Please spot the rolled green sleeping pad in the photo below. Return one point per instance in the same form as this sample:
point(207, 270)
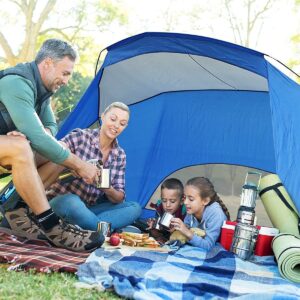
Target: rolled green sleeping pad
point(278, 205)
point(286, 248)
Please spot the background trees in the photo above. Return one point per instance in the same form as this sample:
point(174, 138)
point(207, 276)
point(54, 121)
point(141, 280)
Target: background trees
point(80, 22)
point(25, 11)
point(92, 25)
point(248, 27)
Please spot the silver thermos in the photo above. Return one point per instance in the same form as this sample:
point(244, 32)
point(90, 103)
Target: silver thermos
point(246, 212)
point(246, 233)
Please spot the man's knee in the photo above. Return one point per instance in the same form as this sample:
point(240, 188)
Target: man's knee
point(15, 150)
point(20, 149)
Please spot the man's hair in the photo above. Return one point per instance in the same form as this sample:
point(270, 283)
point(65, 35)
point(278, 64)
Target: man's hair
point(173, 184)
point(57, 50)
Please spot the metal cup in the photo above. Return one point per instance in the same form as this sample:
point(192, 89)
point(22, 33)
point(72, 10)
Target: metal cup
point(165, 220)
point(104, 228)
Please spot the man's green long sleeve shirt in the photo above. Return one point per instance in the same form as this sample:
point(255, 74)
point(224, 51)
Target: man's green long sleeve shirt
point(17, 94)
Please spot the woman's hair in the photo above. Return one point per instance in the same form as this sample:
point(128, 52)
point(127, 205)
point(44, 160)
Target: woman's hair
point(173, 184)
point(119, 105)
point(57, 50)
point(206, 189)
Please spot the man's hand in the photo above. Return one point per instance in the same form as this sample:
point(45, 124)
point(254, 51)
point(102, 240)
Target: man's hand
point(83, 169)
point(16, 133)
point(88, 172)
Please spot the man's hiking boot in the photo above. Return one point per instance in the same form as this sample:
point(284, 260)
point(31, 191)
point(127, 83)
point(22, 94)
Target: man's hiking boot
point(21, 222)
point(74, 238)
point(17, 222)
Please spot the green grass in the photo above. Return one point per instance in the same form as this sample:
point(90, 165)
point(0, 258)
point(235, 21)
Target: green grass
point(37, 286)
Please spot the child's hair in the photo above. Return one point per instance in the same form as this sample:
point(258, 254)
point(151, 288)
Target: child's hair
point(173, 184)
point(207, 189)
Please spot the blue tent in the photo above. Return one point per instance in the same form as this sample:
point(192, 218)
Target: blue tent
point(195, 100)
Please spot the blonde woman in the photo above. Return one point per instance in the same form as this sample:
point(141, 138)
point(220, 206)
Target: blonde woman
point(84, 204)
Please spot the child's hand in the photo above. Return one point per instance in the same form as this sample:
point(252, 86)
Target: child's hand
point(180, 226)
point(171, 229)
point(150, 223)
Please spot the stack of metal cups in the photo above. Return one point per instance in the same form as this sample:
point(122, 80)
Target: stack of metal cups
point(246, 233)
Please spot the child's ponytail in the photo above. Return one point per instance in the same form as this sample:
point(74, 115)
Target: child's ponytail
point(223, 206)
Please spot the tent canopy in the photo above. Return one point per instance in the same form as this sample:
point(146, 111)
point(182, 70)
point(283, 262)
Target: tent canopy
point(195, 100)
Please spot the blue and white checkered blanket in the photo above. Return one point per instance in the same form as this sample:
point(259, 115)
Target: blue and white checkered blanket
point(190, 273)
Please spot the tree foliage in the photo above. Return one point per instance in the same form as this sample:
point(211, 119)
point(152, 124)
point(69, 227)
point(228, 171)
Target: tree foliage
point(76, 21)
point(31, 27)
point(67, 97)
point(79, 22)
point(247, 21)
point(87, 24)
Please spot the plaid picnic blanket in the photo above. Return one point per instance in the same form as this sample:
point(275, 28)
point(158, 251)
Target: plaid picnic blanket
point(23, 254)
point(190, 273)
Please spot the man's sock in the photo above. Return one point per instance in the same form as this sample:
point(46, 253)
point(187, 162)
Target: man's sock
point(48, 219)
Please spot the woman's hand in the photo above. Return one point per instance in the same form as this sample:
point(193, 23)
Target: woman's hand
point(180, 226)
point(113, 195)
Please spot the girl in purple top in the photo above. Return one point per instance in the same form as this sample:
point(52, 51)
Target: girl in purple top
point(205, 210)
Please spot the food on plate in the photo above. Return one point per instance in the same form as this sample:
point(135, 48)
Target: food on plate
point(114, 240)
point(138, 240)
